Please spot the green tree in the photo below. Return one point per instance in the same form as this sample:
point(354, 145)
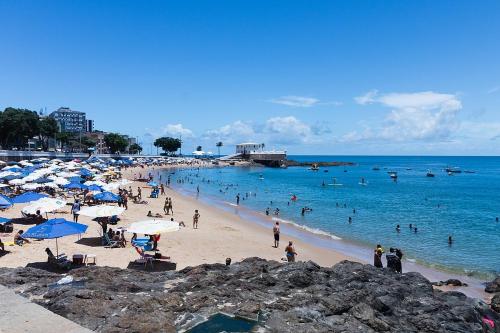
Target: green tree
point(17, 126)
point(218, 145)
point(88, 142)
point(66, 138)
point(135, 148)
point(116, 142)
point(48, 129)
point(167, 144)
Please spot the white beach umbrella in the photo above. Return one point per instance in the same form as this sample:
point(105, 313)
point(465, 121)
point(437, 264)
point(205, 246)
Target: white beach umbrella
point(8, 173)
point(26, 163)
point(17, 182)
point(32, 186)
point(44, 205)
point(101, 211)
point(3, 185)
point(153, 227)
point(66, 174)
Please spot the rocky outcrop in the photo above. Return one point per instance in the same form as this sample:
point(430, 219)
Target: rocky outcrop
point(298, 297)
point(493, 286)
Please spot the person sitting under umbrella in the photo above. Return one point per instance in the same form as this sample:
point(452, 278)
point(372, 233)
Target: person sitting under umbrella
point(19, 239)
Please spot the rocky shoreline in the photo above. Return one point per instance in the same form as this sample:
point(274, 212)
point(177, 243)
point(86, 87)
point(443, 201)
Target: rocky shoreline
point(298, 297)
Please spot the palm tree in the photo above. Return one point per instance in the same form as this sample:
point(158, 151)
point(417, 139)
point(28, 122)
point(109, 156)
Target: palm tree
point(219, 144)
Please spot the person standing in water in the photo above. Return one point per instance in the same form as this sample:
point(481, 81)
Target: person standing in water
point(450, 240)
point(238, 199)
point(276, 233)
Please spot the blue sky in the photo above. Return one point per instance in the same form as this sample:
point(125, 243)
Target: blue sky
point(316, 77)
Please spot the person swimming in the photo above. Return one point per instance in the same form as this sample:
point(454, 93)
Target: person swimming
point(398, 228)
point(350, 220)
point(450, 240)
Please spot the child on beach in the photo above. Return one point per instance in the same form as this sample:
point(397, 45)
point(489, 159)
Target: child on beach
point(196, 218)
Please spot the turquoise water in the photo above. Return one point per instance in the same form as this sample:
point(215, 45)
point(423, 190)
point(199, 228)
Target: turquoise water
point(464, 205)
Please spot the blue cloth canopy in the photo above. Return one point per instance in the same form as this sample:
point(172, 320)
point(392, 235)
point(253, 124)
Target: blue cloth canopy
point(75, 186)
point(107, 196)
point(42, 180)
point(5, 202)
point(75, 179)
point(28, 197)
point(55, 228)
point(153, 184)
point(3, 220)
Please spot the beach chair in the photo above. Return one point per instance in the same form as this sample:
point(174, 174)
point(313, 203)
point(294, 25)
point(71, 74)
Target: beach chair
point(61, 261)
point(110, 243)
point(144, 259)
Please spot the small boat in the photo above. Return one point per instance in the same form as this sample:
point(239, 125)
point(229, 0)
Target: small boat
point(429, 173)
point(453, 170)
point(261, 177)
point(450, 173)
point(325, 170)
point(393, 174)
point(362, 182)
point(375, 168)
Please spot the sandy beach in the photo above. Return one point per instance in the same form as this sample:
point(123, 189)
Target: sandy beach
point(220, 235)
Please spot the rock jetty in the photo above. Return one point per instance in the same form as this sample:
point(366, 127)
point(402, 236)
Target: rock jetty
point(298, 297)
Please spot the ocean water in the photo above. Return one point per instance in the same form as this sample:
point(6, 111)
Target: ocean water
point(463, 205)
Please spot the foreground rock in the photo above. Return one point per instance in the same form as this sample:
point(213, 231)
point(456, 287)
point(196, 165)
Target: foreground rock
point(493, 286)
point(299, 297)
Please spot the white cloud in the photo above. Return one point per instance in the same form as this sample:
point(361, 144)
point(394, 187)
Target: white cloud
point(177, 130)
point(232, 133)
point(367, 98)
point(415, 116)
point(287, 130)
point(296, 101)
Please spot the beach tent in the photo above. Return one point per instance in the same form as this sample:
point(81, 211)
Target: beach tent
point(107, 197)
point(101, 211)
point(28, 197)
point(153, 227)
point(5, 202)
point(55, 228)
point(44, 205)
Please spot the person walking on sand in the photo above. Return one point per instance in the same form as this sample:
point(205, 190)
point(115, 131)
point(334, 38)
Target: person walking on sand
point(276, 232)
point(162, 189)
point(139, 193)
point(290, 252)
point(170, 208)
point(75, 209)
point(165, 207)
point(196, 218)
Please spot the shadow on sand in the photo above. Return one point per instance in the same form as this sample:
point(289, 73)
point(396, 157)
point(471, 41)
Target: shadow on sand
point(158, 266)
point(90, 241)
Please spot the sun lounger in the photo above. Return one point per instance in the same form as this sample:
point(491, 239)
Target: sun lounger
point(144, 259)
point(61, 261)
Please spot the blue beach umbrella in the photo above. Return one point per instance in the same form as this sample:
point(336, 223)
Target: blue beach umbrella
point(153, 184)
point(94, 187)
point(3, 220)
point(107, 196)
point(42, 180)
point(5, 202)
point(73, 186)
point(85, 173)
point(55, 228)
point(28, 197)
point(75, 179)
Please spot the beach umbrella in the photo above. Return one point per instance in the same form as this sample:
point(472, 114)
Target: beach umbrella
point(94, 188)
point(44, 205)
point(4, 220)
point(153, 184)
point(42, 180)
point(28, 197)
point(55, 228)
point(12, 168)
point(3, 185)
point(5, 202)
point(75, 186)
point(17, 182)
point(32, 186)
point(101, 211)
point(153, 227)
point(107, 196)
